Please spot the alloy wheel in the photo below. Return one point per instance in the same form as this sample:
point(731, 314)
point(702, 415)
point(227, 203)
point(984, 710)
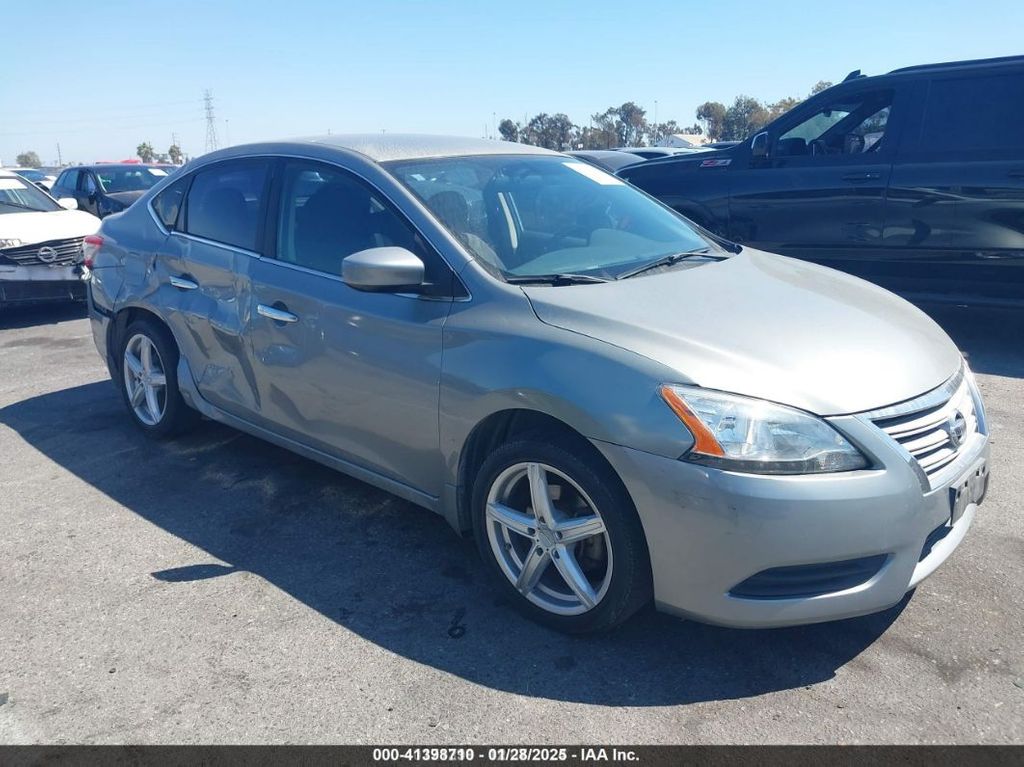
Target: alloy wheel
point(145, 379)
point(549, 538)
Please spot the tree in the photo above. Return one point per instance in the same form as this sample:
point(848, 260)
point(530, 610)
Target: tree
point(509, 130)
point(28, 160)
point(746, 116)
point(632, 125)
point(782, 106)
point(549, 131)
point(820, 86)
point(602, 133)
point(145, 151)
point(175, 154)
point(711, 115)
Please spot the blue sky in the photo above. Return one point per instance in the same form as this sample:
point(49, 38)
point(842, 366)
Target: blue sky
point(99, 77)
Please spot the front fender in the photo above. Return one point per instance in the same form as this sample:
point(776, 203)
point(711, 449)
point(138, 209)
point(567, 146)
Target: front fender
point(501, 357)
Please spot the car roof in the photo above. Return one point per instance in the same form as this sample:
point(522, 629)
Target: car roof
point(105, 165)
point(917, 70)
point(382, 147)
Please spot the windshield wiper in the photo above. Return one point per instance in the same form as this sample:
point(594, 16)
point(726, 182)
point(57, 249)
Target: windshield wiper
point(19, 205)
point(669, 260)
point(553, 279)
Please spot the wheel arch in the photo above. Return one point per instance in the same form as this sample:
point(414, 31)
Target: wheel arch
point(120, 322)
point(504, 426)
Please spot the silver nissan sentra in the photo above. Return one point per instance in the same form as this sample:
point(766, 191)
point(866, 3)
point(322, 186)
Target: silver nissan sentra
point(619, 405)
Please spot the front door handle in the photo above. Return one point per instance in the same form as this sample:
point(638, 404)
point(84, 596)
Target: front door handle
point(862, 177)
point(183, 283)
point(275, 314)
point(1016, 173)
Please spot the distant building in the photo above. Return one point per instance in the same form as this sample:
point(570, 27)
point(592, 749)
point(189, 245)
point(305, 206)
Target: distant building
point(683, 140)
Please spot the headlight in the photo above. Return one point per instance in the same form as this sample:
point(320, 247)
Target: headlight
point(759, 437)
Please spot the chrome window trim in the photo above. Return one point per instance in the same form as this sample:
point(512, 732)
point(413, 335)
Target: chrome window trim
point(217, 243)
point(156, 218)
point(337, 278)
point(345, 169)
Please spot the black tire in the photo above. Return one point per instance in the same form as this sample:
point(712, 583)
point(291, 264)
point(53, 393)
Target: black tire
point(630, 586)
point(177, 417)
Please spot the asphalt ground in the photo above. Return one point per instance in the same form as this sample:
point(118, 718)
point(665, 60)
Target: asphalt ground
point(217, 589)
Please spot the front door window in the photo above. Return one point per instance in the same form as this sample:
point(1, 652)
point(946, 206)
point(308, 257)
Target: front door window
point(849, 126)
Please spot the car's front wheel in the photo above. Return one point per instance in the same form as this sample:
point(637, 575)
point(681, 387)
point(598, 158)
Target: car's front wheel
point(561, 535)
point(149, 386)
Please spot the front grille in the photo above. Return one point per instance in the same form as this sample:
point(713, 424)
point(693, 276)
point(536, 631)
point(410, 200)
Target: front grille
point(935, 427)
point(54, 253)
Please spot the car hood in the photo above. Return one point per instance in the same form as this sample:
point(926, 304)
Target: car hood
point(126, 197)
point(765, 326)
point(40, 226)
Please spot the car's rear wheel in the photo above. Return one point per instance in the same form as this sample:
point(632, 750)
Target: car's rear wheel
point(149, 385)
point(561, 535)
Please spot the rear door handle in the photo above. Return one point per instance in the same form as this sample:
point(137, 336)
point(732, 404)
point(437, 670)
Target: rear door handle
point(1016, 173)
point(275, 314)
point(862, 177)
point(183, 283)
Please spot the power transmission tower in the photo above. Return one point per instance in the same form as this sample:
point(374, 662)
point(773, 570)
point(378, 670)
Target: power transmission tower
point(211, 123)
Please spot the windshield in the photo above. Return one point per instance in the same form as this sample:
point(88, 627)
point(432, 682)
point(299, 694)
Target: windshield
point(544, 215)
point(128, 179)
point(18, 195)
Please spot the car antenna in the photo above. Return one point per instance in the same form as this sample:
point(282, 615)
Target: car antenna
point(853, 75)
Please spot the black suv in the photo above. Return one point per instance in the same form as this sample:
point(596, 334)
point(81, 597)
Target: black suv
point(913, 179)
point(108, 188)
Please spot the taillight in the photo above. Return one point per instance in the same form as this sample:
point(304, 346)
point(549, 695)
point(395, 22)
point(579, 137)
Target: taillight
point(90, 247)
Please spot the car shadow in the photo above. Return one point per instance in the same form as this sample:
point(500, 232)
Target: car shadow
point(991, 339)
point(397, 575)
point(13, 317)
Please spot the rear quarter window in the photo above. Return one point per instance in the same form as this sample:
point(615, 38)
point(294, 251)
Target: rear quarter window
point(68, 179)
point(977, 113)
point(168, 204)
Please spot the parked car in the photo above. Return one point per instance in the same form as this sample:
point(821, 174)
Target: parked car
point(606, 159)
point(620, 406)
point(108, 188)
point(653, 152)
point(40, 244)
point(43, 180)
point(913, 179)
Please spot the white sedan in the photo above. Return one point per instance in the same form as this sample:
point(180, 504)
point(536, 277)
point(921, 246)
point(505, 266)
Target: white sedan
point(40, 244)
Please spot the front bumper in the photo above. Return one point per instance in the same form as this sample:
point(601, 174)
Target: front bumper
point(39, 284)
point(710, 530)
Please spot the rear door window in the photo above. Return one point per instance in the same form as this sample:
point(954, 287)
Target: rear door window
point(974, 113)
point(226, 202)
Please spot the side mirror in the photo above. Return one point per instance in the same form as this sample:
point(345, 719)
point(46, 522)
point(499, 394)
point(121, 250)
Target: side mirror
point(383, 269)
point(759, 146)
point(68, 203)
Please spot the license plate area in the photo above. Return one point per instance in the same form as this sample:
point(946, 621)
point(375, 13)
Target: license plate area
point(969, 489)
